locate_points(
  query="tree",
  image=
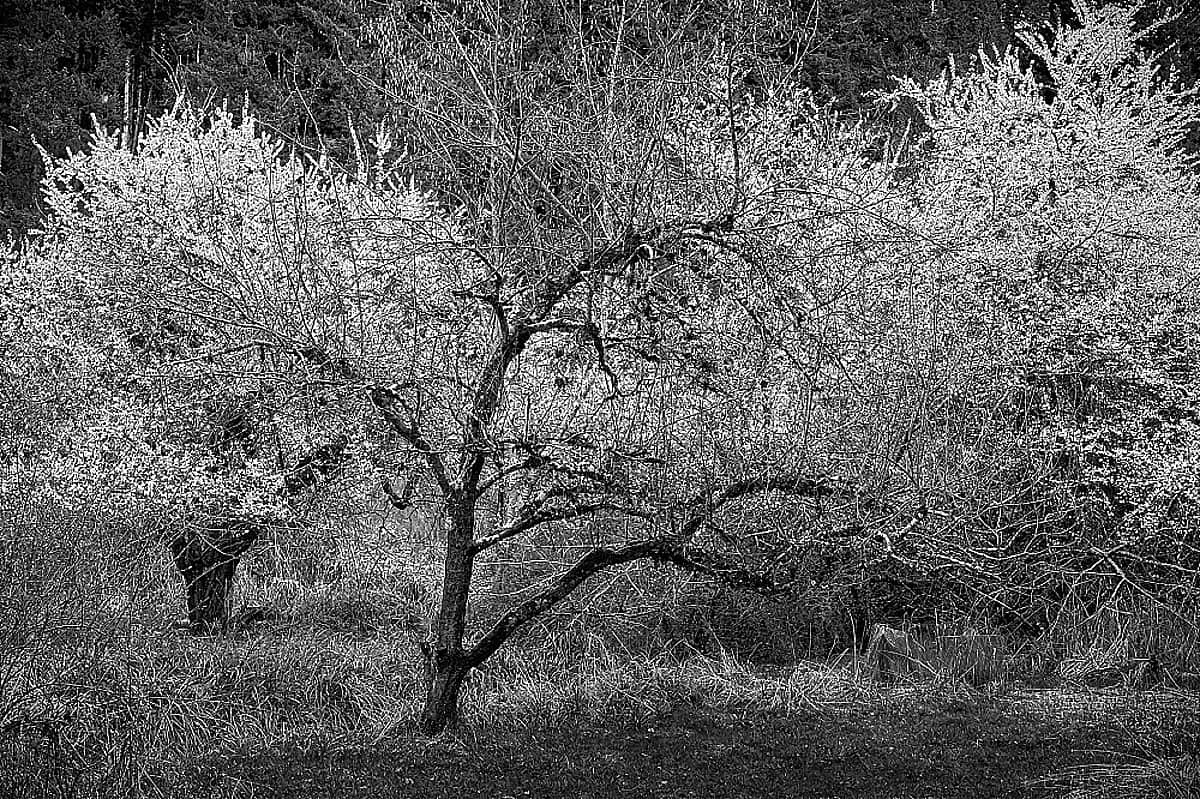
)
(122, 61)
(606, 338)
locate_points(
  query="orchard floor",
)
(979, 747)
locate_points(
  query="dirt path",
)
(976, 750)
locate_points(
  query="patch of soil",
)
(977, 750)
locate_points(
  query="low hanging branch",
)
(674, 549)
(700, 509)
(592, 563)
(660, 550)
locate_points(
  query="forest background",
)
(66, 67)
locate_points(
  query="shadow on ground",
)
(976, 749)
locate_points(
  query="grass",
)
(101, 697)
(295, 709)
(1160, 778)
(888, 743)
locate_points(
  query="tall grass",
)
(100, 696)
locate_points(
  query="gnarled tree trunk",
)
(208, 596)
(207, 560)
(207, 556)
(445, 662)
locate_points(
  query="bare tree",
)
(631, 351)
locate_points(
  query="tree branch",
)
(542, 516)
(703, 506)
(592, 563)
(672, 549)
(533, 318)
(596, 561)
(312, 467)
(593, 334)
(385, 400)
(532, 461)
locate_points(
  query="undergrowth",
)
(129, 716)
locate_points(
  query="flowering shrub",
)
(1068, 238)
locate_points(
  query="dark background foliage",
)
(66, 66)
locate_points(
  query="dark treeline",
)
(306, 68)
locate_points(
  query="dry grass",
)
(1159, 729)
(100, 697)
(122, 718)
(1161, 778)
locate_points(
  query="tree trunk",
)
(207, 560)
(441, 700)
(132, 92)
(446, 665)
(208, 596)
(140, 42)
(860, 618)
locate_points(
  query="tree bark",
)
(441, 699)
(208, 596)
(446, 665)
(207, 561)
